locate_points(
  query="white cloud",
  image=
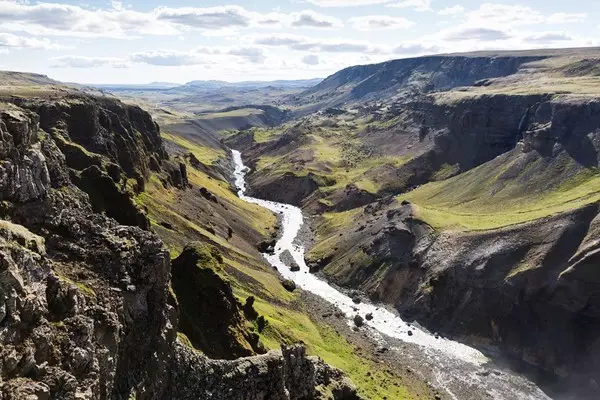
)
(377, 22)
(70, 20)
(548, 37)
(308, 18)
(117, 5)
(253, 54)
(170, 58)
(207, 18)
(516, 15)
(10, 40)
(121, 22)
(200, 56)
(415, 49)
(417, 5)
(479, 34)
(565, 18)
(87, 62)
(282, 40)
(310, 59)
(457, 9)
(302, 43)
(346, 3)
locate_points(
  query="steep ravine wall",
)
(460, 134)
(529, 289)
(407, 77)
(85, 308)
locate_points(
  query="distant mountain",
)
(13, 78)
(405, 77)
(145, 86)
(213, 84)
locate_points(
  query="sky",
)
(178, 41)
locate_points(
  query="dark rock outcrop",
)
(285, 375)
(288, 284)
(461, 135)
(104, 143)
(351, 197)
(288, 188)
(85, 309)
(267, 246)
(209, 314)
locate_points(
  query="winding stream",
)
(455, 367)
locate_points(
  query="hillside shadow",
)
(583, 152)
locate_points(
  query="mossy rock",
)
(209, 313)
(106, 196)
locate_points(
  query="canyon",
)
(420, 228)
(465, 200)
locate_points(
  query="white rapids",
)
(441, 352)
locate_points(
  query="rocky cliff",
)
(408, 77)
(529, 288)
(84, 298)
(85, 309)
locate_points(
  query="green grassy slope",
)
(331, 149)
(511, 189)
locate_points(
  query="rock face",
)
(24, 173)
(110, 149)
(409, 76)
(210, 315)
(530, 289)
(285, 375)
(83, 299)
(85, 309)
(289, 188)
(464, 134)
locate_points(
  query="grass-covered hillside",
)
(332, 154)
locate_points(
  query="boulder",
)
(288, 284)
(358, 320)
(267, 246)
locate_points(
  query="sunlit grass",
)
(206, 155)
(241, 112)
(466, 201)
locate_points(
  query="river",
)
(454, 365)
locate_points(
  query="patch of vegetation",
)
(240, 112)
(185, 340)
(262, 135)
(386, 124)
(330, 224)
(520, 269)
(504, 192)
(261, 282)
(206, 155)
(83, 288)
(338, 162)
(445, 171)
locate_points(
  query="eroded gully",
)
(461, 371)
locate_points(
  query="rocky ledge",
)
(278, 375)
